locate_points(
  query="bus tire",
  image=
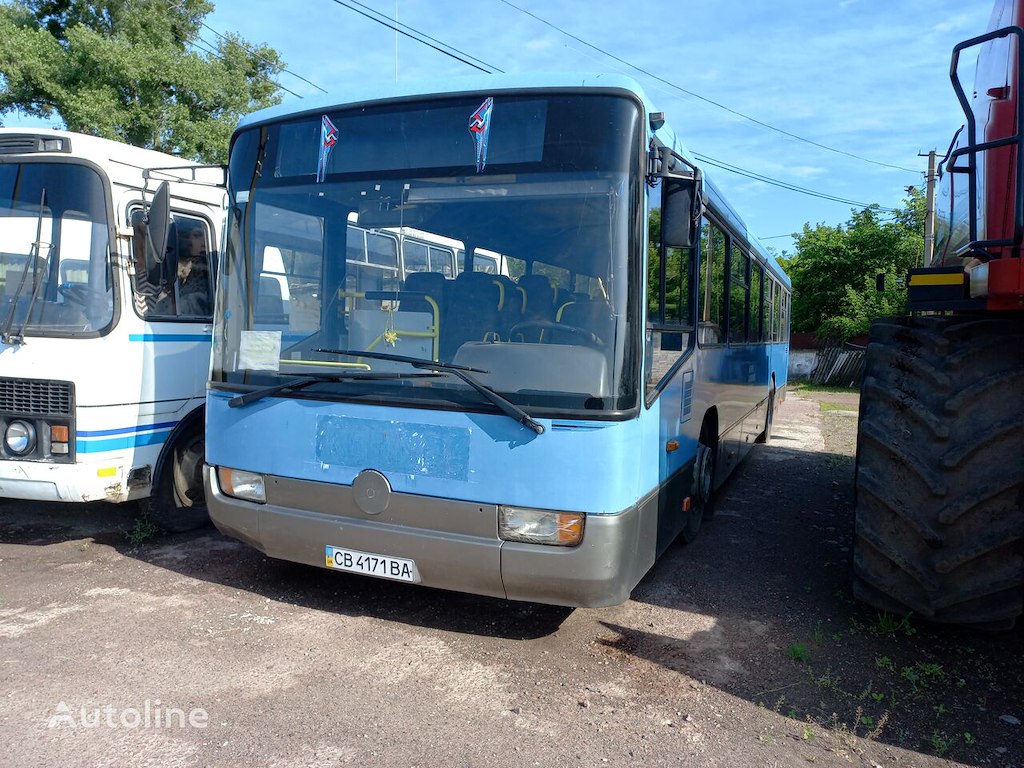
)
(766, 434)
(703, 479)
(939, 518)
(178, 499)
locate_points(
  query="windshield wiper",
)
(30, 260)
(305, 381)
(463, 372)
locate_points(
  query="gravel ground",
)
(744, 648)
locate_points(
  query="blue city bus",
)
(539, 432)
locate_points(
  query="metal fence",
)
(840, 365)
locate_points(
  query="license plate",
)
(371, 564)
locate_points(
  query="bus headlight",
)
(538, 526)
(20, 437)
(242, 484)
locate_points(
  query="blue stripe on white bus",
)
(204, 337)
(126, 430)
(120, 443)
(128, 437)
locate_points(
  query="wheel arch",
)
(196, 418)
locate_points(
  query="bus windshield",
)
(55, 274)
(494, 233)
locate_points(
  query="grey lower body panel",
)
(454, 544)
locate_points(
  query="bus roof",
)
(121, 162)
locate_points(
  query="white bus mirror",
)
(158, 223)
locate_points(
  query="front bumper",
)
(41, 481)
(455, 544)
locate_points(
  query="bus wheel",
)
(766, 435)
(178, 499)
(704, 488)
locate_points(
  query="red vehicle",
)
(940, 455)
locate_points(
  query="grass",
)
(807, 386)
(141, 531)
(798, 652)
(848, 407)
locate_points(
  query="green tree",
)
(834, 269)
(131, 70)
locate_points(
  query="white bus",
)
(105, 322)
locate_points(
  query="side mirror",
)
(678, 213)
(158, 222)
(150, 229)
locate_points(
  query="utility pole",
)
(929, 216)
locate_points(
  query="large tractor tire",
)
(939, 527)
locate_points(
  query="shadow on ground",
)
(206, 555)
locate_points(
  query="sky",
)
(839, 97)
(848, 77)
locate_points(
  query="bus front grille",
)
(37, 397)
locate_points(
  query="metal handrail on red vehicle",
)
(975, 246)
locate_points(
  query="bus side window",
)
(757, 305)
(711, 284)
(182, 286)
(193, 274)
(739, 295)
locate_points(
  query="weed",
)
(829, 682)
(922, 674)
(940, 742)
(807, 734)
(969, 739)
(884, 662)
(798, 652)
(888, 624)
(142, 531)
(818, 635)
(875, 732)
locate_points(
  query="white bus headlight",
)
(242, 484)
(20, 437)
(538, 526)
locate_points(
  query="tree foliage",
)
(133, 70)
(834, 269)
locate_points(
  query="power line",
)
(394, 25)
(212, 50)
(784, 184)
(248, 49)
(704, 98)
(423, 34)
(390, 24)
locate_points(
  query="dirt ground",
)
(120, 646)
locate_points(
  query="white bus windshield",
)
(55, 276)
(396, 228)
